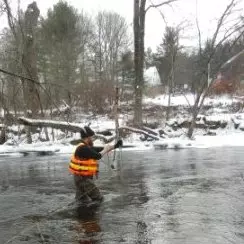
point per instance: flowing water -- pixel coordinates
(169, 197)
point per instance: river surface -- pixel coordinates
(168, 197)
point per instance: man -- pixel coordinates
(84, 166)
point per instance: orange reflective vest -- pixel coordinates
(83, 167)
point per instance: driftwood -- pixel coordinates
(139, 131)
(76, 128)
(149, 130)
(61, 125)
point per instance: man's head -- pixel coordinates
(86, 135)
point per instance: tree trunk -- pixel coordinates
(4, 108)
(139, 32)
(30, 57)
(170, 84)
(168, 107)
(27, 128)
(192, 126)
(116, 115)
(195, 112)
(116, 120)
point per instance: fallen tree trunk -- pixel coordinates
(61, 125)
(139, 131)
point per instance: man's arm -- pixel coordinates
(93, 152)
(87, 153)
(98, 149)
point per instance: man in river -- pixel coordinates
(84, 166)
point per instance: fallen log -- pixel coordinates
(61, 125)
(149, 130)
(139, 131)
(76, 128)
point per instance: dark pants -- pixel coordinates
(86, 190)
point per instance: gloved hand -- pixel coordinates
(118, 144)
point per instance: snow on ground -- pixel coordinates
(188, 99)
(229, 140)
(16, 145)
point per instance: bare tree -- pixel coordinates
(110, 42)
(140, 11)
(85, 67)
(235, 31)
(29, 58)
(165, 60)
(139, 33)
(25, 53)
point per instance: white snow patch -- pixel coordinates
(188, 99)
(228, 140)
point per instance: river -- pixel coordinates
(170, 197)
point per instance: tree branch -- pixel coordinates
(138, 131)
(199, 32)
(221, 20)
(10, 18)
(160, 4)
(50, 123)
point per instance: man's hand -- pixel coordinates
(118, 144)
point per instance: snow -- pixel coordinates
(228, 137)
(232, 139)
(229, 140)
(188, 99)
(7, 150)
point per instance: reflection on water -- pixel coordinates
(188, 196)
(87, 224)
(141, 231)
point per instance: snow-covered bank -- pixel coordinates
(45, 149)
(231, 139)
(188, 99)
(228, 140)
(219, 126)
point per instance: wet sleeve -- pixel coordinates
(98, 149)
(87, 152)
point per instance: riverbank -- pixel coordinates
(220, 124)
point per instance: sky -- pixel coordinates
(182, 13)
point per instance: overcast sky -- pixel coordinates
(184, 11)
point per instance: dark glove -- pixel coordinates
(118, 144)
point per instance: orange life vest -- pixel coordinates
(83, 167)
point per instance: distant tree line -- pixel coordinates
(75, 59)
(72, 59)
